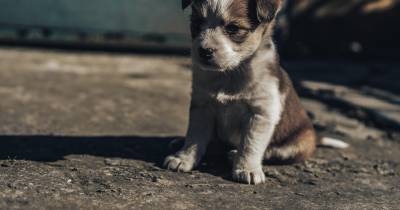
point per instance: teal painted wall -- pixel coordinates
(132, 16)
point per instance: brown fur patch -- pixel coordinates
(267, 9)
(243, 12)
(299, 149)
(306, 143)
(295, 128)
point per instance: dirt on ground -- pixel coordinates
(90, 131)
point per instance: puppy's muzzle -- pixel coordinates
(206, 54)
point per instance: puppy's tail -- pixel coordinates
(332, 143)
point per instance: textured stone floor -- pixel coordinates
(89, 131)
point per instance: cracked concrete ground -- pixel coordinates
(89, 131)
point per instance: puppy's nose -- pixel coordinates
(206, 53)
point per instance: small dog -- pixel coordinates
(240, 94)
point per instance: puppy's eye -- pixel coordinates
(232, 29)
(236, 33)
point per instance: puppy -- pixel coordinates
(240, 94)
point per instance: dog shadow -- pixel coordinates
(151, 149)
(47, 148)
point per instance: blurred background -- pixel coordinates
(361, 28)
(353, 30)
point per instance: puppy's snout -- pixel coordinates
(206, 53)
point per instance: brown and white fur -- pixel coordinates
(240, 94)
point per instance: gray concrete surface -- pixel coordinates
(89, 131)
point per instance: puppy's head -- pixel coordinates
(226, 32)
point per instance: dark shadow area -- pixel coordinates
(353, 74)
(149, 149)
(215, 161)
(53, 148)
(353, 29)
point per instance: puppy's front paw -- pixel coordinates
(253, 176)
(179, 163)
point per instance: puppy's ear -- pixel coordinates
(267, 9)
(186, 3)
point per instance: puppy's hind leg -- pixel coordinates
(297, 148)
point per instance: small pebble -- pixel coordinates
(112, 162)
